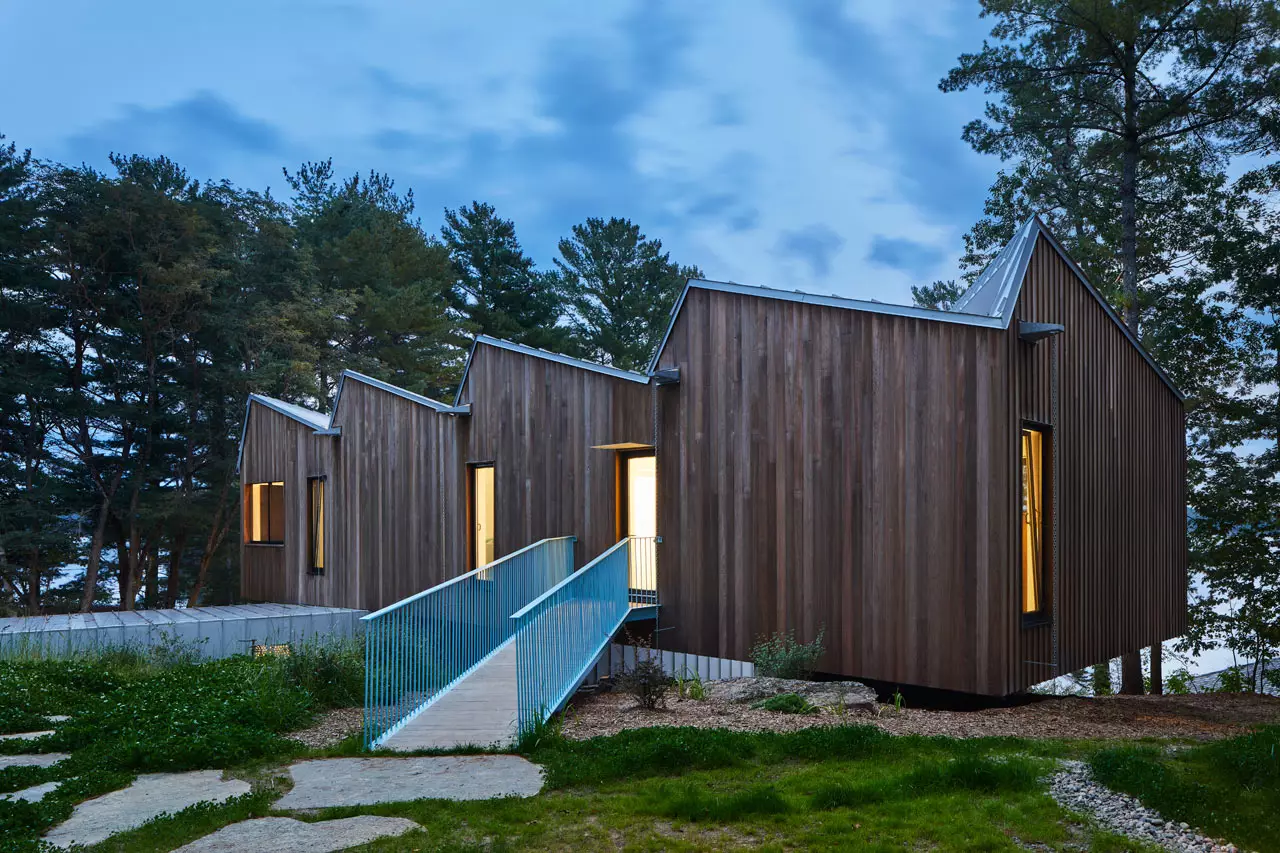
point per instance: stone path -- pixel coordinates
(286, 835)
(34, 794)
(46, 759)
(26, 735)
(479, 711)
(148, 797)
(324, 783)
(1074, 788)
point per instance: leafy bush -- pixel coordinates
(782, 656)
(1178, 682)
(331, 672)
(787, 703)
(647, 681)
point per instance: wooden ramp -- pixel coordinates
(480, 710)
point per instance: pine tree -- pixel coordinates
(940, 295)
(495, 288)
(622, 287)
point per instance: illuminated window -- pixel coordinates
(1033, 522)
(264, 513)
(482, 517)
(315, 525)
(640, 520)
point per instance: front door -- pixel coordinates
(640, 521)
(482, 522)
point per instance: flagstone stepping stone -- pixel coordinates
(323, 783)
(34, 794)
(148, 797)
(44, 759)
(286, 835)
(26, 735)
(58, 718)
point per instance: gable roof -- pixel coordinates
(988, 303)
(512, 346)
(435, 405)
(308, 417)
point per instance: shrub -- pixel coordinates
(690, 686)
(787, 703)
(647, 681)
(1178, 682)
(331, 672)
(782, 656)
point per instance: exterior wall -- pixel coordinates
(1121, 481)
(821, 467)
(280, 449)
(538, 421)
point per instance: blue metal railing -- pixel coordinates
(560, 635)
(417, 648)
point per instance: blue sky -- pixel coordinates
(800, 144)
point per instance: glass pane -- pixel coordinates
(275, 512)
(482, 513)
(1032, 520)
(316, 522)
(642, 496)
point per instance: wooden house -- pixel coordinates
(977, 499)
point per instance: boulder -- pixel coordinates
(825, 694)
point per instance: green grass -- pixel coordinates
(1229, 788)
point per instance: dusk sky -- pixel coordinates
(793, 144)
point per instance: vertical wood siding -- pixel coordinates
(537, 421)
(820, 467)
(1121, 487)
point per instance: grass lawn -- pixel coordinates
(851, 787)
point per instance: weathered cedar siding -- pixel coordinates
(537, 420)
(821, 467)
(1121, 468)
(280, 449)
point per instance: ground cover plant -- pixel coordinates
(141, 711)
(781, 655)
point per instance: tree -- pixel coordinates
(495, 289)
(622, 287)
(1119, 111)
(940, 295)
(379, 279)
(1127, 89)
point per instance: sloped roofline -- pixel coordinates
(435, 405)
(500, 343)
(997, 289)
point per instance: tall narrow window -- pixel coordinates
(1033, 522)
(482, 516)
(640, 521)
(315, 525)
(264, 513)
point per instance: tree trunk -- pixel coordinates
(151, 562)
(174, 576)
(95, 557)
(217, 530)
(33, 582)
(1129, 193)
(125, 573)
(1157, 670)
(1131, 673)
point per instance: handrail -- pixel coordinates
(419, 647)
(561, 633)
(459, 578)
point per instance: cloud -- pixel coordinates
(900, 253)
(815, 245)
(200, 132)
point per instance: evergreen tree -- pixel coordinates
(940, 295)
(622, 287)
(495, 288)
(380, 279)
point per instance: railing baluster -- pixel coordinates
(417, 648)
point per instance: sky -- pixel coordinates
(801, 144)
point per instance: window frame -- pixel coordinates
(312, 568)
(266, 504)
(1044, 614)
(622, 492)
(472, 467)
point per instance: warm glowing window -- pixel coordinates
(482, 512)
(640, 516)
(1033, 521)
(264, 513)
(315, 524)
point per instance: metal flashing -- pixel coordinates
(512, 346)
(436, 405)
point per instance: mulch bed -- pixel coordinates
(1194, 717)
(331, 728)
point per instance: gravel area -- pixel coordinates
(1196, 717)
(1075, 790)
(332, 728)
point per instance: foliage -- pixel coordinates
(1230, 788)
(780, 655)
(941, 295)
(1178, 682)
(331, 672)
(787, 703)
(622, 288)
(690, 686)
(647, 681)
